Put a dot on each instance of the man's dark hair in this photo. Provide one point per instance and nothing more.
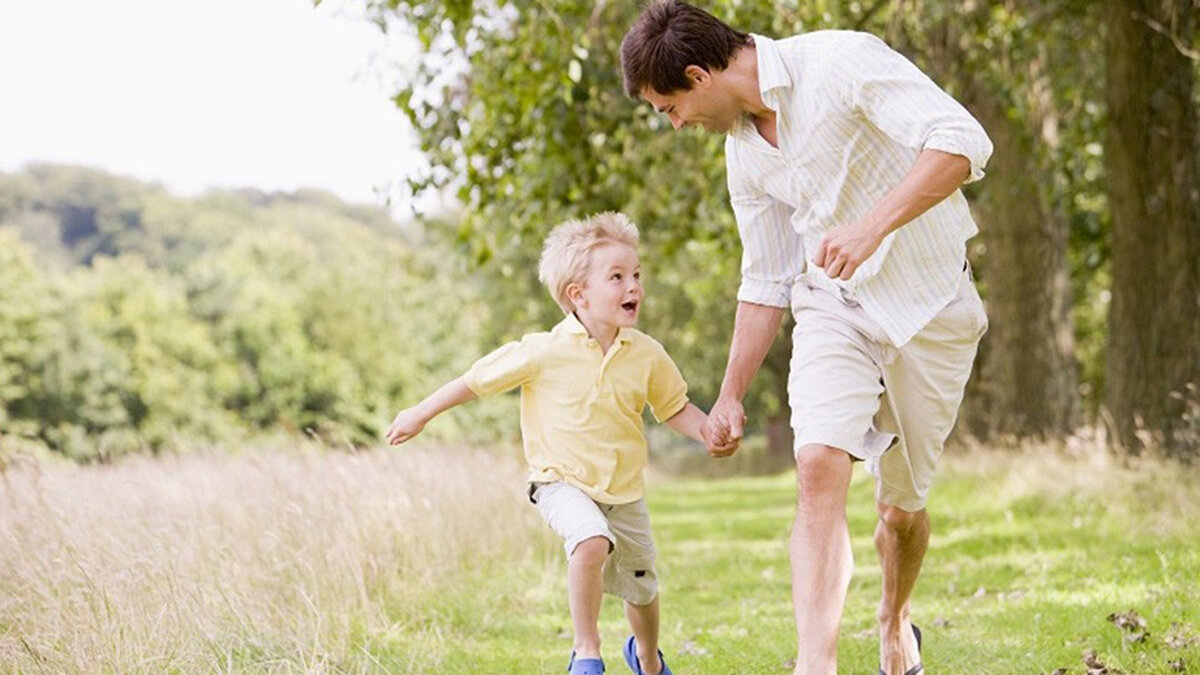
(668, 37)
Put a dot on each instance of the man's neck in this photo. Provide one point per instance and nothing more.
(743, 78)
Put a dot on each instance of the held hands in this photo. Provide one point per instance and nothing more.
(722, 431)
(408, 423)
(846, 247)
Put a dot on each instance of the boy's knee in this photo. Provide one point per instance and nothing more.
(592, 551)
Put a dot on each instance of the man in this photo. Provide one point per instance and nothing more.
(844, 163)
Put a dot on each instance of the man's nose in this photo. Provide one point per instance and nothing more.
(676, 121)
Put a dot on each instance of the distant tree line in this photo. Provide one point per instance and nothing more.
(135, 320)
(1089, 256)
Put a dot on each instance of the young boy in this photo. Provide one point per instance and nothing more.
(584, 385)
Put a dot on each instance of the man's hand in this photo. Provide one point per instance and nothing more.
(722, 431)
(408, 423)
(846, 247)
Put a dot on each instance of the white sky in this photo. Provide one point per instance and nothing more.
(273, 94)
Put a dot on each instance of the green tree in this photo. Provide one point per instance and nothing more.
(520, 106)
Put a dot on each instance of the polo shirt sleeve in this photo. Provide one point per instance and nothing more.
(509, 366)
(899, 99)
(667, 391)
(772, 250)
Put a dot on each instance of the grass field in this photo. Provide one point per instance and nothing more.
(429, 560)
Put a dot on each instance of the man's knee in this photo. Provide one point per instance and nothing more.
(898, 520)
(822, 469)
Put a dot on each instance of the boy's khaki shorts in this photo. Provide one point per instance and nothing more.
(574, 516)
(850, 388)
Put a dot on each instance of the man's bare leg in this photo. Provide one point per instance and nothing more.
(821, 557)
(901, 538)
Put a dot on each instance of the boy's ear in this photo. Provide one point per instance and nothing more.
(574, 292)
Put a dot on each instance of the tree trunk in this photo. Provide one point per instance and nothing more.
(1028, 384)
(1154, 321)
(1027, 380)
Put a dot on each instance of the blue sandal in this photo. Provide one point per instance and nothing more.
(585, 666)
(917, 669)
(636, 666)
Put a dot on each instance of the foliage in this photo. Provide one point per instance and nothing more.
(520, 108)
(211, 318)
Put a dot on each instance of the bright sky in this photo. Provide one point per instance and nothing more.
(274, 94)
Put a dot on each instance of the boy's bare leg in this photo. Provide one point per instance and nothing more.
(643, 619)
(821, 557)
(585, 589)
(901, 538)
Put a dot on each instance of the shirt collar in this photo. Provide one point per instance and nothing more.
(573, 326)
(772, 73)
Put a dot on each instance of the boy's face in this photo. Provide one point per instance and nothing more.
(611, 294)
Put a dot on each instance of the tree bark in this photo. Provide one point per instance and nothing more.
(1027, 380)
(1028, 384)
(1153, 364)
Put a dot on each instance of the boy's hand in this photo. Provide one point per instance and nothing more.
(722, 430)
(408, 423)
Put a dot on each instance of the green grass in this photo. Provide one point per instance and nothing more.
(1025, 565)
(431, 561)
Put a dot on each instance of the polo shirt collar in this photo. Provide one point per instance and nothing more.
(574, 326)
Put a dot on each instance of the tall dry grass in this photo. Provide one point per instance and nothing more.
(274, 561)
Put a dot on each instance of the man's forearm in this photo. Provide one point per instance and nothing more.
(933, 177)
(754, 330)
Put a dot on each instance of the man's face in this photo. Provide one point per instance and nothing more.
(705, 104)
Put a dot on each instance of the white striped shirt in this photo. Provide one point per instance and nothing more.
(851, 117)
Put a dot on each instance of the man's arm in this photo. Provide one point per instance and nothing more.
(933, 177)
(410, 422)
(754, 329)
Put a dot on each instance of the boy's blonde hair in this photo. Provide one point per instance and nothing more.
(567, 253)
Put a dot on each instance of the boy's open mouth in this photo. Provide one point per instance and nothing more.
(630, 306)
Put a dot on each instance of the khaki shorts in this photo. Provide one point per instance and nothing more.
(574, 516)
(850, 388)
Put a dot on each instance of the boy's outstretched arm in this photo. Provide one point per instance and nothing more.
(411, 421)
(688, 422)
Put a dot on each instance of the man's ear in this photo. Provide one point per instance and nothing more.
(697, 75)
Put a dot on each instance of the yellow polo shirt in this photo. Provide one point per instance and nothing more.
(581, 409)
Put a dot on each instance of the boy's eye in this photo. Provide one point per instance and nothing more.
(616, 277)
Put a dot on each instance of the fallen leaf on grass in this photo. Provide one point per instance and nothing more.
(1177, 665)
(1096, 667)
(1180, 636)
(1132, 625)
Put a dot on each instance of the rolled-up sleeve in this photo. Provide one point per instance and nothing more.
(899, 99)
(772, 251)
